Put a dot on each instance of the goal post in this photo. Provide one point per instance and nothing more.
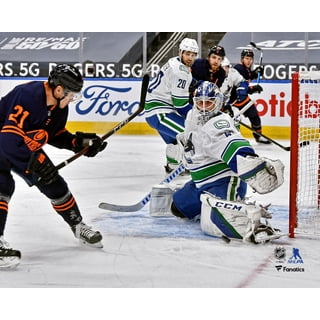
(304, 197)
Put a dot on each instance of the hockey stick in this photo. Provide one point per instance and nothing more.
(262, 135)
(143, 93)
(242, 111)
(301, 144)
(260, 59)
(139, 205)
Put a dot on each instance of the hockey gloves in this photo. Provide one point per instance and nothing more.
(259, 70)
(255, 89)
(40, 165)
(91, 140)
(227, 108)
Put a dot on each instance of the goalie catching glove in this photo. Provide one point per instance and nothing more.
(91, 140)
(262, 174)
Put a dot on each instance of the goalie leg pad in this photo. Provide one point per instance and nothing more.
(238, 220)
(220, 217)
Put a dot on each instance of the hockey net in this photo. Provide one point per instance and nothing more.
(304, 207)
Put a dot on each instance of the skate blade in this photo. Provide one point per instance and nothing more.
(7, 263)
(92, 245)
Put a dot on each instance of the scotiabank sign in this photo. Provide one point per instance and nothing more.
(274, 103)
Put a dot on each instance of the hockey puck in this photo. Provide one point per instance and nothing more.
(304, 143)
(225, 239)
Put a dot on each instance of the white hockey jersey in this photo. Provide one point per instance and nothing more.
(211, 149)
(233, 79)
(169, 90)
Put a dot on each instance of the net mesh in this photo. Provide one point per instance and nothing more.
(308, 198)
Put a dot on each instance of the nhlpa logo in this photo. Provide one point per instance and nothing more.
(295, 258)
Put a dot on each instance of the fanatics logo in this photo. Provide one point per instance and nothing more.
(279, 267)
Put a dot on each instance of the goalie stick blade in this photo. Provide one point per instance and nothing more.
(137, 206)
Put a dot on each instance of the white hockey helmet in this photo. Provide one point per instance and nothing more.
(225, 62)
(188, 44)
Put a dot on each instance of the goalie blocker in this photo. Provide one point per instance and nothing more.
(238, 220)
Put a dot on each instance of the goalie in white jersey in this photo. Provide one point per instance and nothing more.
(221, 164)
(167, 101)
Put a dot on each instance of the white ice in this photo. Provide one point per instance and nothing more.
(142, 252)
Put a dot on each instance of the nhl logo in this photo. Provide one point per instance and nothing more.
(280, 253)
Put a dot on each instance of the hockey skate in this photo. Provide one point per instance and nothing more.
(260, 232)
(260, 139)
(87, 236)
(265, 233)
(9, 258)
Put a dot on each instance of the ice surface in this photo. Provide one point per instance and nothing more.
(141, 251)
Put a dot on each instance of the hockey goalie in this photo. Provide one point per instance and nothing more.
(222, 164)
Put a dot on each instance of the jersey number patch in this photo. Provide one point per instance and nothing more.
(182, 83)
(19, 116)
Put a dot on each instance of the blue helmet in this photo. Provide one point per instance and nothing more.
(208, 100)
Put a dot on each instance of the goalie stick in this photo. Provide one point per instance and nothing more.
(143, 93)
(139, 205)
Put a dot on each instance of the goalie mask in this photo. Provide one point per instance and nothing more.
(208, 101)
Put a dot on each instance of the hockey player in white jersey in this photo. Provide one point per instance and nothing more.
(221, 164)
(232, 80)
(167, 101)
